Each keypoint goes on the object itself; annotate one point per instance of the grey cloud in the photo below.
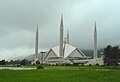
(19, 19)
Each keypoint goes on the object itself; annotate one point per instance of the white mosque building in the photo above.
(66, 53)
(71, 55)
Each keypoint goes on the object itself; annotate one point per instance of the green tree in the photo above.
(111, 55)
(23, 62)
(2, 62)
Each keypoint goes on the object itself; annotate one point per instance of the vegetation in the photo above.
(2, 62)
(23, 62)
(61, 74)
(37, 62)
(15, 62)
(111, 55)
(40, 67)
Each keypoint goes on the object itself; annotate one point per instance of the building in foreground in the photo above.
(71, 55)
(64, 52)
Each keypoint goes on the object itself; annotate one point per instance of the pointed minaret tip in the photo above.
(95, 25)
(95, 29)
(61, 15)
(61, 25)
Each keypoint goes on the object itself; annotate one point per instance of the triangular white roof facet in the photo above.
(68, 49)
(56, 50)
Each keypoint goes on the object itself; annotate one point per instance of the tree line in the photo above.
(15, 62)
(111, 55)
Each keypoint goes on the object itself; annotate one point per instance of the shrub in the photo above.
(67, 64)
(37, 62)
(40, 67)
(82, 64)
(75, 64)
(97, 64)
(18, 65)
(102, 65)
(90, 65)
(57, 64)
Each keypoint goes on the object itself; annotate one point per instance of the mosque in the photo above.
(65, 52)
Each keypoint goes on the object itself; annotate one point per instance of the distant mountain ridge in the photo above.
(29, 57)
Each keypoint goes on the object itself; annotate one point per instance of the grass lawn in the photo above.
(60, 74)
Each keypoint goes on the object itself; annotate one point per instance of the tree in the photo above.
(37, 62)
(2, 62)
(23, 62)
(111, 55)
(11, 62)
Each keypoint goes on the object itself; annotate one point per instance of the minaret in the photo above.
(68, 36)
(36, 45)
(95, 42)
(61, 37)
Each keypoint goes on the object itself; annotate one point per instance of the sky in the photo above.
(19, 19)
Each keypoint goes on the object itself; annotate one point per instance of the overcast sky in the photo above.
(19, 19)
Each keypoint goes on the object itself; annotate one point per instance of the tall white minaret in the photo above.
(95, 42)
(61, 38)
(36, 45)
(68, 36)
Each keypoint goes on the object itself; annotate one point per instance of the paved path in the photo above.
(16, 68)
